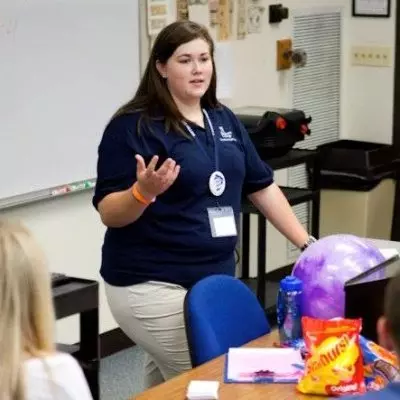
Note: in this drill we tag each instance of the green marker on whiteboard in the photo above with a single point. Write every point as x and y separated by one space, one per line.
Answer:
89 184
82 186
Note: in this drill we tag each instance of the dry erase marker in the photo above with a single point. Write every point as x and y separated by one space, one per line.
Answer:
89 184
60 191
79 186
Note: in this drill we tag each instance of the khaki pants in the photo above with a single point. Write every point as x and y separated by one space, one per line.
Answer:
151 314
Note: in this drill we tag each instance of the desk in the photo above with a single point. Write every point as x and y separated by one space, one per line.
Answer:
80 296
213 370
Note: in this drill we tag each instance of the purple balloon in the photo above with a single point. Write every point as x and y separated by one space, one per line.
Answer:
326 265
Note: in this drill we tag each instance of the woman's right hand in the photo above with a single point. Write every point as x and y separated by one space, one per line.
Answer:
151 182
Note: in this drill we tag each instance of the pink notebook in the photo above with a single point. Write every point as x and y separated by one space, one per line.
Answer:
263 365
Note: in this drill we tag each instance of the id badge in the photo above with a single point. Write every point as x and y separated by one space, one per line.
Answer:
222 221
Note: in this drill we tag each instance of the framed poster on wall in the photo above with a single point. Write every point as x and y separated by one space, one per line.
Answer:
371 8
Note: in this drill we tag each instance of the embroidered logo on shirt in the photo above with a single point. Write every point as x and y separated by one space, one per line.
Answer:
226 136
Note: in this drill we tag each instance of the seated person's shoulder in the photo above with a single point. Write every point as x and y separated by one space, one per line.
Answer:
54 361
54 374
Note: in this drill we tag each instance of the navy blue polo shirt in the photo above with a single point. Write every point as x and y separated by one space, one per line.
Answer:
172 240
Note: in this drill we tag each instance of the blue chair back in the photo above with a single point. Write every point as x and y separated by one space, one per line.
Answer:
221 312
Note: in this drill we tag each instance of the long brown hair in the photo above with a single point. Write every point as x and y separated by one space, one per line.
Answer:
152 97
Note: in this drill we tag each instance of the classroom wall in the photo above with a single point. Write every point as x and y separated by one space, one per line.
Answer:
368 91
69 228
367 95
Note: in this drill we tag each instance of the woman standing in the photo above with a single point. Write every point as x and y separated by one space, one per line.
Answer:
172 166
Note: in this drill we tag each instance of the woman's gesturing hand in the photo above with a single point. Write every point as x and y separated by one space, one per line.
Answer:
151 182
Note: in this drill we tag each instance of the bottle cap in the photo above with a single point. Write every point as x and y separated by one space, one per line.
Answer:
290 283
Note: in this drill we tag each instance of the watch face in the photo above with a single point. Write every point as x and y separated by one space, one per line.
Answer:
309 242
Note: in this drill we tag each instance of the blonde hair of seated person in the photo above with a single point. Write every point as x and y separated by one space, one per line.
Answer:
26 307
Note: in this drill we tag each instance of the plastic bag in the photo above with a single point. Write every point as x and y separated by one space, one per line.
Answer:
334 364
380 365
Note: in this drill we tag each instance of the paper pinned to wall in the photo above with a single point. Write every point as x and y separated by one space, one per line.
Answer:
241 20
223 31
160 13
213 6
224 65
157 16
199 12
182 10
255 17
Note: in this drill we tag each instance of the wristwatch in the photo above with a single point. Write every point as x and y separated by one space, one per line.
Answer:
309 242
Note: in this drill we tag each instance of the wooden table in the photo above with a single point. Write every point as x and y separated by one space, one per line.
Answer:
213 370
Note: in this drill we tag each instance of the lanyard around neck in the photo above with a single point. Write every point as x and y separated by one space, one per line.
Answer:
210 125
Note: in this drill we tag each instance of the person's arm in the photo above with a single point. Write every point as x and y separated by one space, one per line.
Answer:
273 204
122 208
125 187
267 197
116 174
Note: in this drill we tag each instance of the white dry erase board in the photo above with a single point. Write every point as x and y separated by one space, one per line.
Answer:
65 67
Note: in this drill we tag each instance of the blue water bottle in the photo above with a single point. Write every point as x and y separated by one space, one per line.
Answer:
289 309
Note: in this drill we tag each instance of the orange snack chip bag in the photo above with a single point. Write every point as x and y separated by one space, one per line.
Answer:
334 364
381 366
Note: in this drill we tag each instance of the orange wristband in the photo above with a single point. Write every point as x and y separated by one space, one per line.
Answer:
139 197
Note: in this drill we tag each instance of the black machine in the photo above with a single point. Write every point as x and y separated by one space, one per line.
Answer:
364 295
274 131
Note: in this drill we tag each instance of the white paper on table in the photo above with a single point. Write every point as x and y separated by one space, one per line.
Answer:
198 390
